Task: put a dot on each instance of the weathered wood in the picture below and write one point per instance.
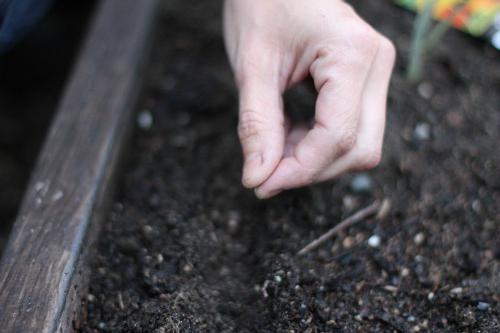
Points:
(42, 272)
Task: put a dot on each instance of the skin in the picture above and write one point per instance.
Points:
(275, 44)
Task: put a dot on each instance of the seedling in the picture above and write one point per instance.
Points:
(426, 35)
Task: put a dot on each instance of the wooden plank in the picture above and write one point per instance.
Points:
(43, 269)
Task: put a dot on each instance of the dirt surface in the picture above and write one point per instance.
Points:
(187, 249)
(32, 75)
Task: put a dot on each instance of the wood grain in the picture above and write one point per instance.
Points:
(43, 269)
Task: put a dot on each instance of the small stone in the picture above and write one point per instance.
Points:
(483, 306)
(358, 317)
(349, 202)
(374, 241)
(147, 231)
(360, 237)
(188, 268)
(159, 258)
(90, 298)
(476, 206)
(101, 325)
(457, 290)
(57, 196)
(145, 120)
(384, 210)
(233, 221)
(361, 183)
(431, 296)
(425, 90)
(405, 272)
(348, 242)
(277, 278)
(422, 131)
(411, 319)
(392, 289)
(419, 238)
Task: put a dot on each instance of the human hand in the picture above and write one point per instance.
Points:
(274, 44)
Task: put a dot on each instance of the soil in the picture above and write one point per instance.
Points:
(32, 75)
(187, 249)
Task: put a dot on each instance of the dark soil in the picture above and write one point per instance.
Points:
(32, 75)
(187, 249)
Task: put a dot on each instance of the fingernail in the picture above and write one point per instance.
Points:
(262, 195)
(252, 162)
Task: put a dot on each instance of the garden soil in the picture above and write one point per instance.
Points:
(186, 248)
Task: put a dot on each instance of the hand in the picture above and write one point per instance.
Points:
(274, 44)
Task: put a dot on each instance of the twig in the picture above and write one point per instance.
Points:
(359, 216)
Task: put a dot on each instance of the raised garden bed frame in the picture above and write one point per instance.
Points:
(43, 271)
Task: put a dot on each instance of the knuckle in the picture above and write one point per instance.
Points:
(387, 50)
(250, 125)
(368, 158)
(364, 41)
(345, 143)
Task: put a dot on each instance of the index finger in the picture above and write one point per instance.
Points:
(339, 79)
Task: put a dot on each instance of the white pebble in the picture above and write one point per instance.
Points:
(145, 120)
(374, 241)
(411, 319)
(431, 296)
(57, 196)
(483, 306)
(422, 131)
(457, 290)
(361, 183)
(419, 238)
(425, 90)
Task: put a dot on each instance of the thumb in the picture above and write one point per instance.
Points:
(261, 127)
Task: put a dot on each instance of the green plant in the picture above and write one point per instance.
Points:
(426, 36)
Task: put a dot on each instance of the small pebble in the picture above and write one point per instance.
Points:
(277, 278)
(145, 120)
(101, 325)
(348, 242)
(57, 196)
(419, 238)
(457, 290)
(159, 258)
(411, 319)
(188, 268)
(431, 296)
(349, 202)
(425, 90)
(359, 237)
(361, 183)
(422, 131)
(392, 289)
(384, 210)
(483, 306)
(374, 241)
(233, 221)
(405, 272)
(90, 298)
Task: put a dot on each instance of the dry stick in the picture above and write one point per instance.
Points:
(359, 216)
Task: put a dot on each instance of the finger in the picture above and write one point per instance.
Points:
(293, 138)
(339, 81)
(262, 125)
(367, 152)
